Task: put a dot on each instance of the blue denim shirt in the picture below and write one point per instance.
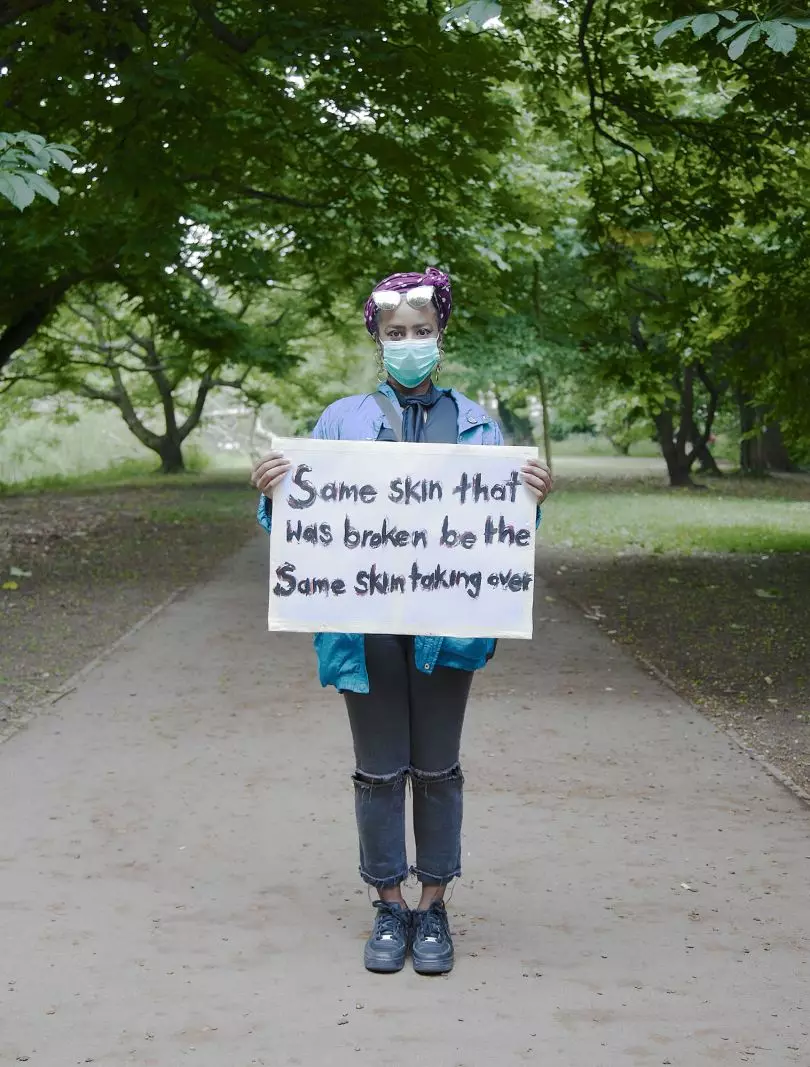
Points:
(341, 657)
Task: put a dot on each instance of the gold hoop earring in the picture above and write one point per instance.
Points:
(438, 369)
(382, 373)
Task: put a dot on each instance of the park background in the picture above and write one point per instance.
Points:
(196, 198)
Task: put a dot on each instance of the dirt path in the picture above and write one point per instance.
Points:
(177, 867)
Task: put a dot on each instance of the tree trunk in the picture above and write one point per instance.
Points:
(546, 419)
(752, 453)
(776, 455)
(541, 378)
(20, 332)
(171, 456)
(682, 446)
(679, 464)
(707, 464)
(517, 428)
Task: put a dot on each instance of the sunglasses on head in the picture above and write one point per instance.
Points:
(389, 299)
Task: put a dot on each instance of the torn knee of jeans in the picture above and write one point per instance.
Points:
(362, 778)
(429, 777)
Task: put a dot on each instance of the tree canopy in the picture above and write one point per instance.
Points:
(623, 193)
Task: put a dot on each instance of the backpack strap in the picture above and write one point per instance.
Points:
(394, 417)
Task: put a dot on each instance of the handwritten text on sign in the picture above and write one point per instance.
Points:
(403, 539)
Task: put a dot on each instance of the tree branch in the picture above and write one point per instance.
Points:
(714, 400)
(278, 198)
(109, 397)
(593, 94)
(124, 404)
(222, 32)
(199, 403)
(221, 383)
(15, 9)
(20, 332)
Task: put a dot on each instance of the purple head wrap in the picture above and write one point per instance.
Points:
(401, 283)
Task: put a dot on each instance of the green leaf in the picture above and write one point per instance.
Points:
(37, 162)
(739, 44)
(59, 157)
(14, 188)
(730, 16)
(732, 31)
(802, 24)
(781, 38)
(43, 187)
(703, 24)
(672, 28)
(33, 142)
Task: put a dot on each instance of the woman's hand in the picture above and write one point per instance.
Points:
(537, 479)
(269, 472)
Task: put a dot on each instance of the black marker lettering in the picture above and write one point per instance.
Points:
(285, 573)
(302, 483)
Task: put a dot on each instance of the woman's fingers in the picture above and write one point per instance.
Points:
(272, 459)
(269, 471)
(269, 483)
(537, 478)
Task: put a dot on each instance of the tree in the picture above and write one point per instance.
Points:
(329, 144)
(691, 164)
(105, 348)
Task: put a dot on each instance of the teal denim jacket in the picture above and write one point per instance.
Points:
(341, 657)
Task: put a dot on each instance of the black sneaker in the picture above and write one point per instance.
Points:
(387, 947)
(431, 943)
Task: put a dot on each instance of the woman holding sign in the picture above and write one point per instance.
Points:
(406, 696)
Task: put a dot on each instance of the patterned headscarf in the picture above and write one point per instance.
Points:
(401, 283)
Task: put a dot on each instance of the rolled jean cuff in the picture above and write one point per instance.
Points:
(383, 883)
(428, 878)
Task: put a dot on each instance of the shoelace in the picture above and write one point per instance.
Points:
(431, 925)
(389, 921)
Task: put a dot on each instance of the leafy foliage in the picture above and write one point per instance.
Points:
(25, 159)
(777, 31)
(625, 223)
(266, 143)
(105, 347)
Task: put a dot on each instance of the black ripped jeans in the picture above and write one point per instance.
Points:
(408, 726)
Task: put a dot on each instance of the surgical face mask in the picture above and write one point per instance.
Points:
(410, 362)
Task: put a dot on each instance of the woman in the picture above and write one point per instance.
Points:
(405, 696)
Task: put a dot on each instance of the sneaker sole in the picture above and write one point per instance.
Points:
(433, 966)
(383, 966)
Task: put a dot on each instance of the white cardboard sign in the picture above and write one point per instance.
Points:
(375, 537)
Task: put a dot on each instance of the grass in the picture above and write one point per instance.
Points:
(95, 449)
(583, 444)
(605, 503)
(127, 474)
(735, 516)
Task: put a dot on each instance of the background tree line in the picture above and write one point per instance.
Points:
(212, 189)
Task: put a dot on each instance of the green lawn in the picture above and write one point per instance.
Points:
(734, 515)
(604, 504)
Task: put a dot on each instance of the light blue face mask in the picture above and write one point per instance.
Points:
(410, 362)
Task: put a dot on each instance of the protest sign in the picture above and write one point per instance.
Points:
(372, 537)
